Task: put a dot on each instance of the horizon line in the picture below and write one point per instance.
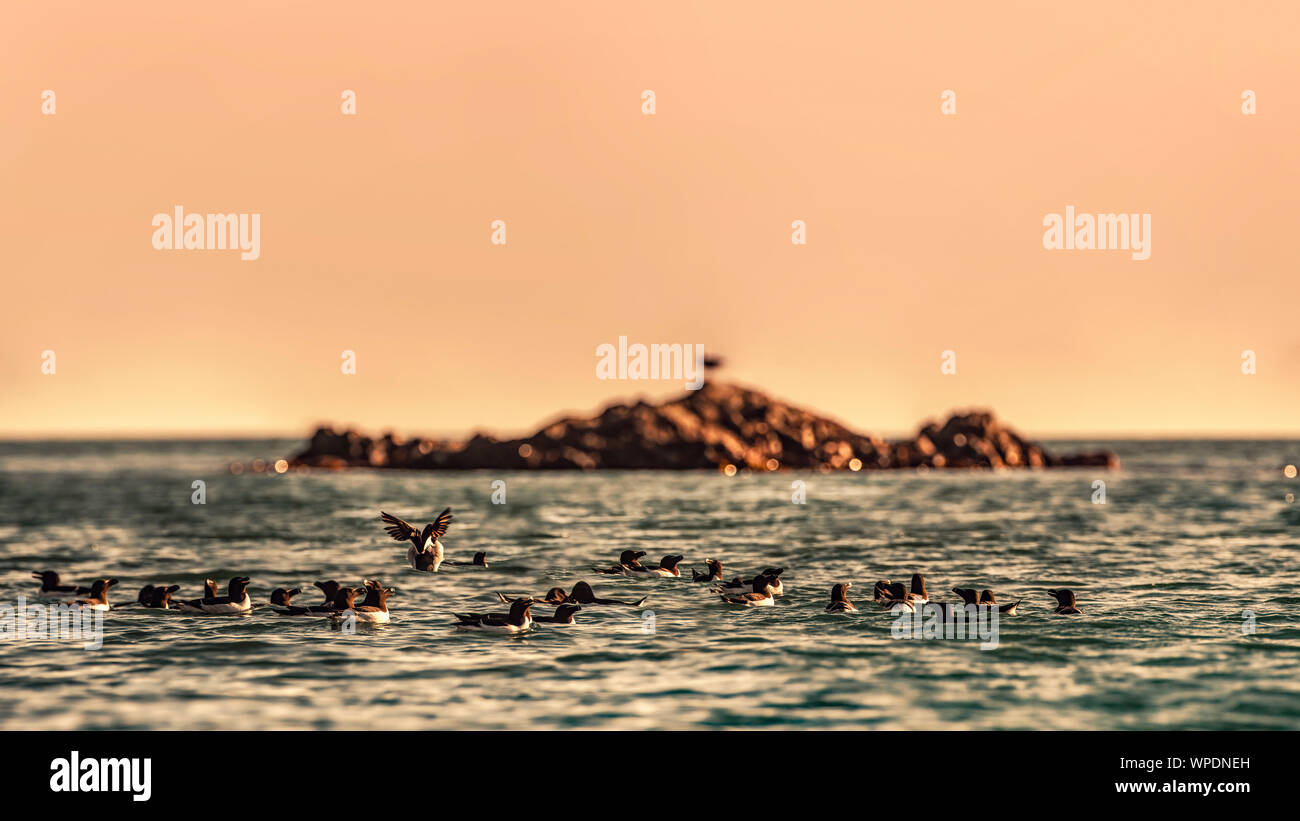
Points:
(13, 437)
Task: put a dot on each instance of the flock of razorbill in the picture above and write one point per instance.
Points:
(426, 554)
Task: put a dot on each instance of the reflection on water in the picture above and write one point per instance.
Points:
(1193, 535)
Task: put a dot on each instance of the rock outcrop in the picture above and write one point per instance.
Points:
(719, 427)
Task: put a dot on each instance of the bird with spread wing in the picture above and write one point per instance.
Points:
(425, 552)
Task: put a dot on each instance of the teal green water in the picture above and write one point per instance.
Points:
(1192, 536)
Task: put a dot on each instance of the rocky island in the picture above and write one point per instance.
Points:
(719, 427)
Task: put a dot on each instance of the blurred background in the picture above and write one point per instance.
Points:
(924, 230)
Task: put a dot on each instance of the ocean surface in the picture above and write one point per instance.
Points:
(1187, 578)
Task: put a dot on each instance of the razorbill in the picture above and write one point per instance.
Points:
(555, 595)
(480, 560)
(714, 575)
(739, 585)
(330, 589)
(425, 552)
(374, 608)
(157, 596)
(563, 615)
(517, 620)
(987, 597)
(897, 595)
(50, 587)
(919, 595)
(98, 599)
(760, 596)
(1064, 603)
(667, 567)
(583, 594)
(628, 562)
(235, 601)
(281, 601)
(840, 599)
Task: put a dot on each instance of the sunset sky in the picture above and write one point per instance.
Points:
(924, 230)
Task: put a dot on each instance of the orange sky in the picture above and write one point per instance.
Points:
(924, 231)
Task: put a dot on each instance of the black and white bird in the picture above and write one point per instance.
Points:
(739, 585)
(714, 575)
(425, 552)
(158, 597)
(518, 620)
(50, 587)
(896, 594)
(563, 615)
(840, 599)
(919, 596)
(98, 599)
(987, 597)
(281, 601)
(555, 595)
(629, 562)
(374, 608)
(235, 602)
(1065, 603)
(760, 596)
(667, 568)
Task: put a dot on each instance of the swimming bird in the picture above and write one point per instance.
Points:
(714, 575)
(628, 562)
(158, 597)
(98, 599)
(760, 596)
(374, 608)
(281, 596)
(1065, 603)
(517, 620)
(50, 586)
(236, 600)
(330, 589)
(555, 595)
(345, 599)
(919, 595)
(968, 595)
(897, 595)
(986, 597)
(840, 599)
(881, 591)
(281, 601)
(583, 594)
(667, 567)
(480, 560)
(774, 573)
(738, 585)
(563, 615)
(425, 552)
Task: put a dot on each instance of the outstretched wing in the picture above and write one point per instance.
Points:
(439, 524)
(398, 529)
